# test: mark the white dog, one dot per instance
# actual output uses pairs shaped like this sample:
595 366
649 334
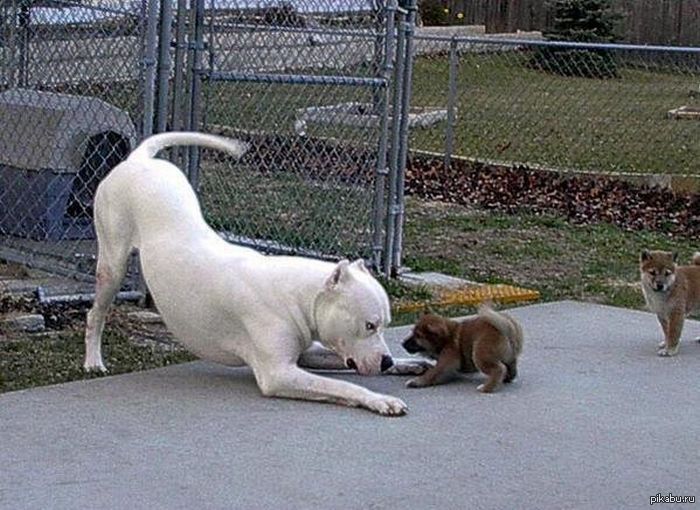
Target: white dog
230 304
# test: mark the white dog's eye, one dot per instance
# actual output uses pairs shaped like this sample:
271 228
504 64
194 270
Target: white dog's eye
370 326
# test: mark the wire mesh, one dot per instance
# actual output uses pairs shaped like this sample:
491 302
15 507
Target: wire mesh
589 108
313 86
306 87
71 106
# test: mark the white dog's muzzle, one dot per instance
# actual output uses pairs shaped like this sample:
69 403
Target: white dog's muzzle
385 363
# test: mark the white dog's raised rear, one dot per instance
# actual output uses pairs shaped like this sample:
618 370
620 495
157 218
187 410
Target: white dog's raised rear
231 304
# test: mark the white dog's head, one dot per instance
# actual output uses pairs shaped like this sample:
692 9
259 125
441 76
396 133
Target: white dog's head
351 314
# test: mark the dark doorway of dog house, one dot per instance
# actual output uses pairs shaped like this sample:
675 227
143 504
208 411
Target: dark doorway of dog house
46 216
102 153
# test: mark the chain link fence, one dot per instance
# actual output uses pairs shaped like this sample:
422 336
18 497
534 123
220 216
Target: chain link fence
310 87
591 108
304 87
330 94
307 83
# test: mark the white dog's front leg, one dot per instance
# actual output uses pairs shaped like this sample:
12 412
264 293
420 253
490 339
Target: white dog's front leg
317 357
292 382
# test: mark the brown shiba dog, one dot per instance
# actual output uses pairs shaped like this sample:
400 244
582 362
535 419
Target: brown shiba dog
490 342
671 291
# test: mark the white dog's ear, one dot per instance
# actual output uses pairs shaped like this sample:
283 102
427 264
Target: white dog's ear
338 275
360 264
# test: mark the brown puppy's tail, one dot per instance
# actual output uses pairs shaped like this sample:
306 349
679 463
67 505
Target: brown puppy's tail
504 323
696 258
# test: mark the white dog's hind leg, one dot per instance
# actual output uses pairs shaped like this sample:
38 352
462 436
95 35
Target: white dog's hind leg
112 260
290 381
108 279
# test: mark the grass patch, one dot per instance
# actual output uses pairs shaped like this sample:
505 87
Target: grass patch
329 218
34 361
509 112
596 263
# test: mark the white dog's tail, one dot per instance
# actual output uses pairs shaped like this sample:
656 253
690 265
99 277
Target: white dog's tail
504 323
153 144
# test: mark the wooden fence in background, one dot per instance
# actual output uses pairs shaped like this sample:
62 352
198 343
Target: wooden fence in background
668 22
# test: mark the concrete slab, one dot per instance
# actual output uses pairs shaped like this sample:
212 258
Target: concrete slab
596 420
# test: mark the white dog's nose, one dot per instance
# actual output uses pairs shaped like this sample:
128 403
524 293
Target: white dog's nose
387 362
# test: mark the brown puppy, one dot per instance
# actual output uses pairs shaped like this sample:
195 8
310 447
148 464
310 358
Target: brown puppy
671 291
490 342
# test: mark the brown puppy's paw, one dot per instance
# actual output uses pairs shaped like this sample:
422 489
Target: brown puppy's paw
667 353
483 388
416 382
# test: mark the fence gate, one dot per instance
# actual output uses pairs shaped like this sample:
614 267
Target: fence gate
311 86
317 87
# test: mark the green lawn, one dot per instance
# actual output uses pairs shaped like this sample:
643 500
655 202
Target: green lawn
509 112
563 261
329 218
35 361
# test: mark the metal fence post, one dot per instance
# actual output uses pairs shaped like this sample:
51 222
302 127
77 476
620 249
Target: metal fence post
451 103
25 35
409 27
149 63
178 75
166 20
395 110
378 225
149 83
194 113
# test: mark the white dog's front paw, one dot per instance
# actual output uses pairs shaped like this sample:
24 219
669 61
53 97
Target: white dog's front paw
661 345
387 406
665 352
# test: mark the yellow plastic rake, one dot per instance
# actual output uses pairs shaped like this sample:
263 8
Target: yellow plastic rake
472 295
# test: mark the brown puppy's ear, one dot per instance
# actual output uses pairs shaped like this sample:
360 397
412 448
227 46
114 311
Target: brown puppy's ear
645 255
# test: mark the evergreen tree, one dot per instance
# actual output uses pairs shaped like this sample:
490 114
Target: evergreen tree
582 21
